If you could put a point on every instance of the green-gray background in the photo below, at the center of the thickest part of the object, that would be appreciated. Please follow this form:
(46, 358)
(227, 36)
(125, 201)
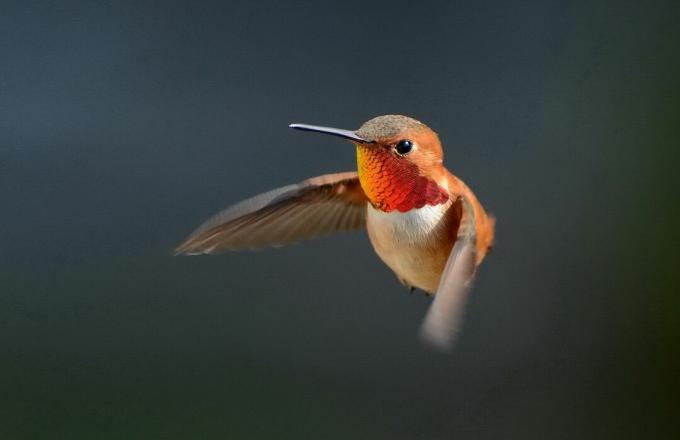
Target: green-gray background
(124, 125)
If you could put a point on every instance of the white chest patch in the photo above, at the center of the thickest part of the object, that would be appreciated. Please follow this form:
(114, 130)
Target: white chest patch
(408, 242)
(416, 225)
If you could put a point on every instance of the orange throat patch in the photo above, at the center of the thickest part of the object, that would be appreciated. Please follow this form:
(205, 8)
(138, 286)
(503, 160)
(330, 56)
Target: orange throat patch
(391, 183)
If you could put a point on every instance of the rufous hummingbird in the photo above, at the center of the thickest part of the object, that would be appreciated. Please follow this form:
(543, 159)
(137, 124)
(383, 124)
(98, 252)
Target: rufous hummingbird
(422, 221)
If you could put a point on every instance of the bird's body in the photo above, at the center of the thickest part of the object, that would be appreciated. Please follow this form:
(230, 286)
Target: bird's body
(422, 221)
(414, 244)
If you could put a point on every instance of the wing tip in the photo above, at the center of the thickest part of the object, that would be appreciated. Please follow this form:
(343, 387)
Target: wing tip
(438, 339)
(178, 251)
(189, 247)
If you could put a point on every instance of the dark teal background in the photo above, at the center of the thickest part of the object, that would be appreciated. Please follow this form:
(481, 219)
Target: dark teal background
(124, 125)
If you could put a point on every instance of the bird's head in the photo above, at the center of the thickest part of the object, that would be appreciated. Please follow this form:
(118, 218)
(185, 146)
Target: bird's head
(399, 161)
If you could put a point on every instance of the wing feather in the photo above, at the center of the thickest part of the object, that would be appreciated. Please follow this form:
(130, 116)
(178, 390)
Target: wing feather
(445, 315)
(318, 206)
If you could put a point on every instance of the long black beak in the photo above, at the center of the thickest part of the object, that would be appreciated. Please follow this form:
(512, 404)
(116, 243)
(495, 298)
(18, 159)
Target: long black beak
(347, 134)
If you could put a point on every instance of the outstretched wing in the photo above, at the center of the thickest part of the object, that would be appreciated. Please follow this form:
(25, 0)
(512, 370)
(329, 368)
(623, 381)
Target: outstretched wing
(444, 318)
(318, 206)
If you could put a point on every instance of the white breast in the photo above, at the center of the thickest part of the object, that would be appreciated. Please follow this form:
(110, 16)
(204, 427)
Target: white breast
(410, 243)
(409, 227)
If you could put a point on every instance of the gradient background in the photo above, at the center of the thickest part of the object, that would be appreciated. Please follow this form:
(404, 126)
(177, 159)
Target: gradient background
(125, 125)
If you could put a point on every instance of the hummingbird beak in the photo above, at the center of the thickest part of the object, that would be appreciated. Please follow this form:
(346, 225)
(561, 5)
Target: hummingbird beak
(347, 134)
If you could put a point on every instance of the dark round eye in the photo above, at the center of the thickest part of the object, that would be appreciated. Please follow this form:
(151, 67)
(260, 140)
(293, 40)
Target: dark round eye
(403, 147)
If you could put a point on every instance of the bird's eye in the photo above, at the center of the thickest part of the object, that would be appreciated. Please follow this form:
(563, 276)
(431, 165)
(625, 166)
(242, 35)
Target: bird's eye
(404, 147)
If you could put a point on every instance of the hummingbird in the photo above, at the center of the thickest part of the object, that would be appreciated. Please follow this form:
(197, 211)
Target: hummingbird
(423, 222)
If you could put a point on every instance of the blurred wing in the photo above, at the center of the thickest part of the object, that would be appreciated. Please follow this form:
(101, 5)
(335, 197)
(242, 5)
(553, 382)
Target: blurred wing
(318, 206)
(444, 318)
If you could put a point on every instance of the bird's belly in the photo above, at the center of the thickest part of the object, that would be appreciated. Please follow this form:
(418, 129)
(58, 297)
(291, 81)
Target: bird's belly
(415, 244)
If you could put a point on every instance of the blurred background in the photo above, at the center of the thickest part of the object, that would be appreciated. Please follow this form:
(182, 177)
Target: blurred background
(123, 125)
